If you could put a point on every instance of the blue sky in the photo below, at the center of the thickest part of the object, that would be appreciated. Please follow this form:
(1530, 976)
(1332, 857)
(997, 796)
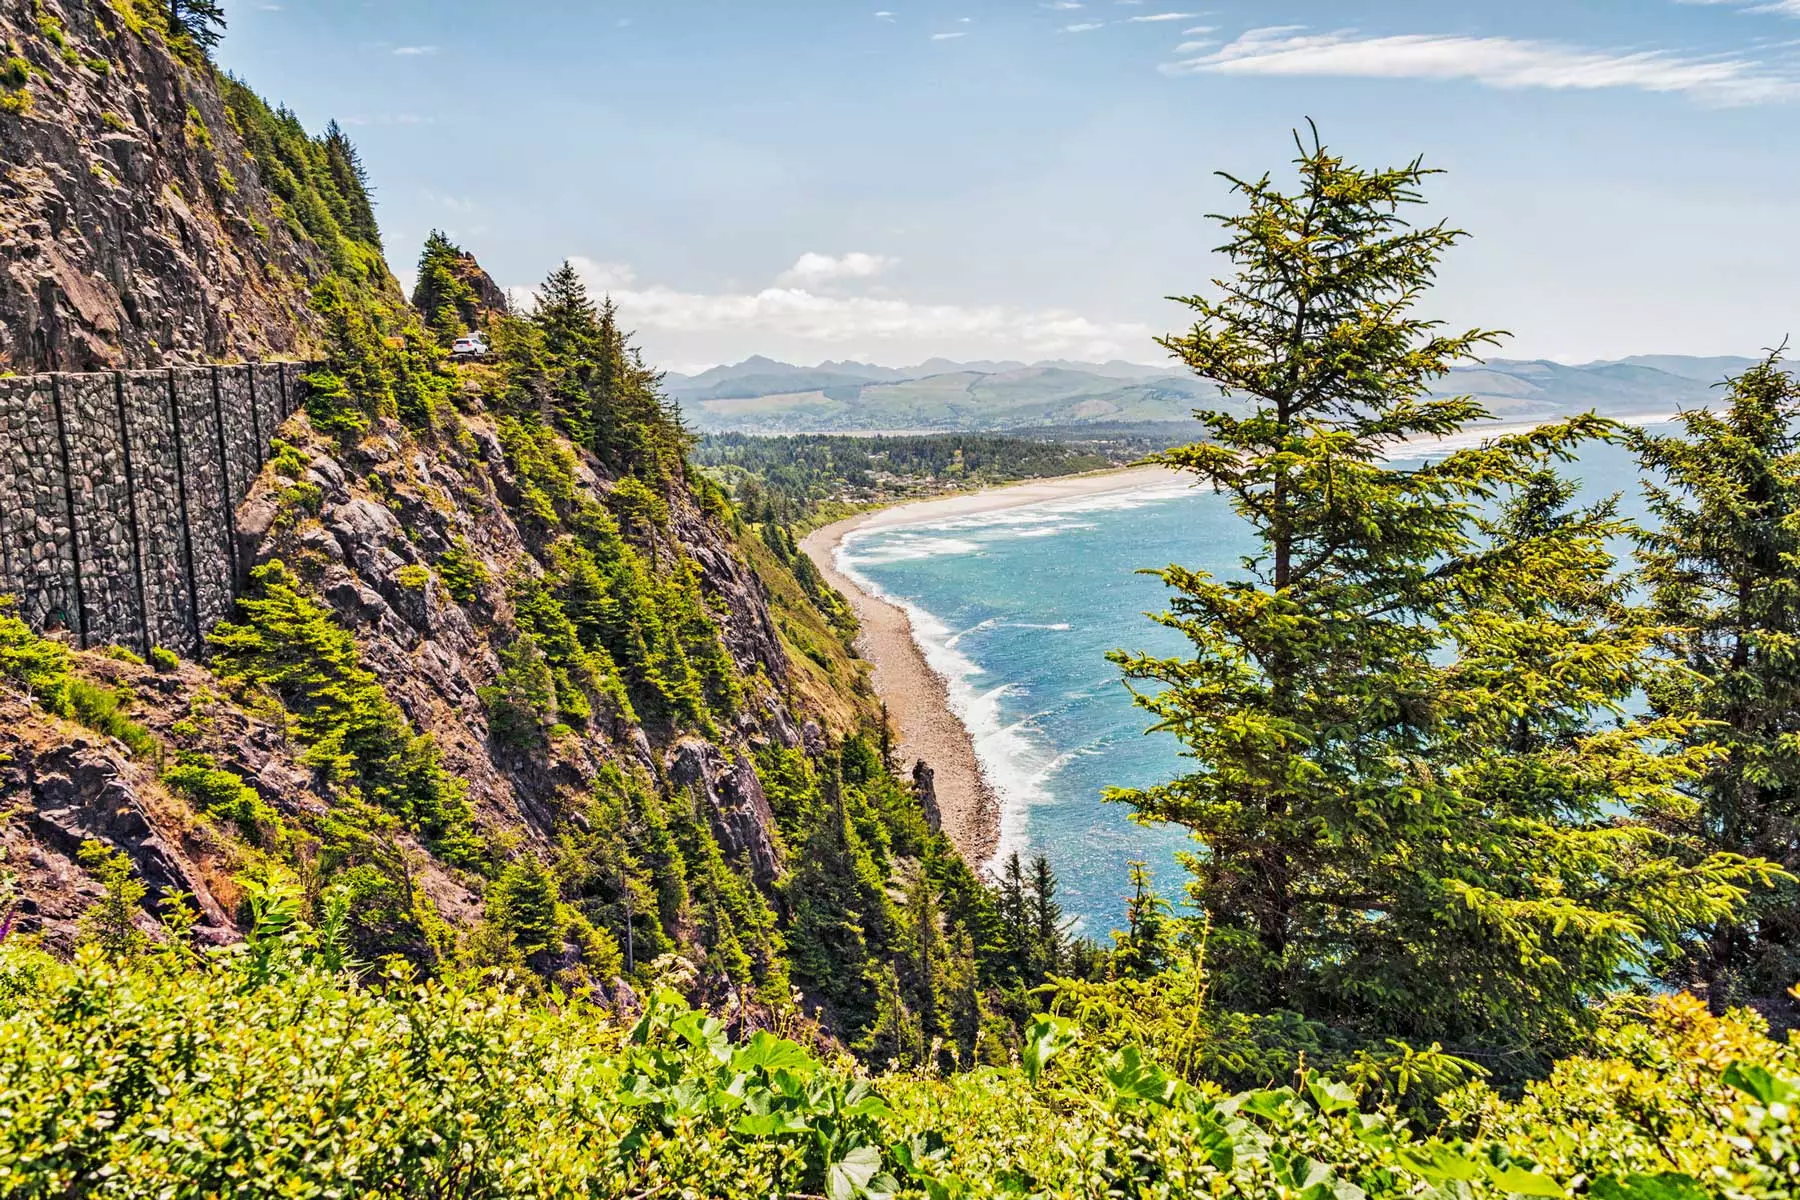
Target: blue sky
(892, 180)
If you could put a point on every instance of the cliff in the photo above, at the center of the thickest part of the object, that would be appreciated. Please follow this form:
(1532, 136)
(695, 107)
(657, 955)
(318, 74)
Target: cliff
(139, 226)
(462, 660)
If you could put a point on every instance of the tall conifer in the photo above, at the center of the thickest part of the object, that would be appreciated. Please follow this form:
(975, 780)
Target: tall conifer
(1410, 815)
(1723, 566)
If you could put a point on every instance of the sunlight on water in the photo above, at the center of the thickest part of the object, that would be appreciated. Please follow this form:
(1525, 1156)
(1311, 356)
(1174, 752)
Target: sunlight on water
(1017, 610)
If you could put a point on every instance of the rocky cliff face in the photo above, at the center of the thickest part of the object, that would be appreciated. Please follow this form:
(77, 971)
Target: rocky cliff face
(137, 229)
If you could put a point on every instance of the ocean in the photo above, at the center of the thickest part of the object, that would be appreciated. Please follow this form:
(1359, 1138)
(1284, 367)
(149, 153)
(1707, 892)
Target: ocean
(1016, 608)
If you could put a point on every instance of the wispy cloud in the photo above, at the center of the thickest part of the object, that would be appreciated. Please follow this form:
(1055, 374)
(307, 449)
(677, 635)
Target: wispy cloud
(850, 321)
(1165, 16)
(945, 37)
(1499, 62)
(884, 15)
(1084, 27)
(1064, 5)
(414, 51)
(1785, 8)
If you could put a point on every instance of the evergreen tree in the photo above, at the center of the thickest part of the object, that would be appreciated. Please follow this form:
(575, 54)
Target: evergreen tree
(523, 903)
(1049, 937)
(1724, 567)
(201, 20)
(1359, 820)
(352, 183)
(1142, 948)
(446, 302)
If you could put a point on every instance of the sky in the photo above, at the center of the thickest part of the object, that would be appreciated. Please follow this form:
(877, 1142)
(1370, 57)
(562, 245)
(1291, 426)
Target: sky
(897, 180)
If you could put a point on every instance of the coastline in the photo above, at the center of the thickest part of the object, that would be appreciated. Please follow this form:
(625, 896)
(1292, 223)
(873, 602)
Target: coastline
(926, 724)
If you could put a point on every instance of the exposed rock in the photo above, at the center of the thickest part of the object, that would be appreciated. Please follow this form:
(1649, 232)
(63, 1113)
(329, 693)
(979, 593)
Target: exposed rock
(812, 737)
(79, 791)
(138, 229)
(741, 817)
(925, 789)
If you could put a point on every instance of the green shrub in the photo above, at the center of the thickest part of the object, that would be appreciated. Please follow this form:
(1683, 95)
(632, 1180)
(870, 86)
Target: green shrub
(164, 659)
(15, 73)
(102, 709)
(42, 667)
(413, 576)
(462, 572)
(221, 793)
(125, 1066)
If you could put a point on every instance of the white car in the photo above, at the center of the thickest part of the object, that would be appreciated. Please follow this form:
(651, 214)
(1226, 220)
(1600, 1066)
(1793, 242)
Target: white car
(472, 346)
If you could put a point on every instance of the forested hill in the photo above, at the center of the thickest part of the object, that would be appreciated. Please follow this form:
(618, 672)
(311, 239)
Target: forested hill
(508, 687)
(763, 396)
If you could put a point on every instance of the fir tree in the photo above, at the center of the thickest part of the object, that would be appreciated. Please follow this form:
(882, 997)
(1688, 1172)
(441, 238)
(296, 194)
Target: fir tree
(1142, 948)
(352, 182)
(1393, 707)
(1049, 937)
(446, 303)
(1723, 566)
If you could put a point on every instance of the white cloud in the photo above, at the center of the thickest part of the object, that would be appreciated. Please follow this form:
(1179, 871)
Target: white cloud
(1195, 47)
(945, 37)
(884, 15)
(1498, 62)
(812, 269)
(1084, 27)
(414, 51)
(1064, 5)
(1164, 16)
(791, 313)
(1199, 29)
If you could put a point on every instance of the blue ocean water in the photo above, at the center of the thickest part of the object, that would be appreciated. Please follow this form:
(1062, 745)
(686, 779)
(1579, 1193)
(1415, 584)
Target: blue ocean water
(1017, 609)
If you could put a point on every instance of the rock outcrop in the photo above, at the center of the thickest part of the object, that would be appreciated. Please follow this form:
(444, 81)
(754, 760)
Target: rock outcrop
(739, 811)
(137, 228)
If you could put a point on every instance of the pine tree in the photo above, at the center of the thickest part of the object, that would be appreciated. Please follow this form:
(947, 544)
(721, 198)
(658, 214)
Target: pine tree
(444, 300)
(203, 21)
(1142, 948)
(1723, 566)
(1362, 815)
(523, 903)
(1049, 937)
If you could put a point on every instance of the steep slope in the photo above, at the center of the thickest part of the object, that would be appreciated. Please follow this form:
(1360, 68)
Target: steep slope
(150, 211)
(505, 687)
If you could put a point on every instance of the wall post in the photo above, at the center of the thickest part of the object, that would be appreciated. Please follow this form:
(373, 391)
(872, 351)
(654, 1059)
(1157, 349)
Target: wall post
(62, 439)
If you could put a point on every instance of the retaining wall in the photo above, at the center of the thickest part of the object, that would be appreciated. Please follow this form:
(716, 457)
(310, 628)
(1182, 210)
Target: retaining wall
(117, 492)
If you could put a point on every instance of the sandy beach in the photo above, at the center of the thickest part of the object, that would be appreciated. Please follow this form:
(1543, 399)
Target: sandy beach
(918, 700)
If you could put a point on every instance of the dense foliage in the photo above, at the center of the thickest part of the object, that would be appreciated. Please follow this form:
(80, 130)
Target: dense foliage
(1723, 568)
(271, 1071)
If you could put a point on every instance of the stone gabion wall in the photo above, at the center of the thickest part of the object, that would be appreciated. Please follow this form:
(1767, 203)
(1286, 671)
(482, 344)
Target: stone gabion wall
(117, 492)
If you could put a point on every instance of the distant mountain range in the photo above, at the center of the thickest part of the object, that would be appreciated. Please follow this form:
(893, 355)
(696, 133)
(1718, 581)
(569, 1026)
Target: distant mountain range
(760, 395)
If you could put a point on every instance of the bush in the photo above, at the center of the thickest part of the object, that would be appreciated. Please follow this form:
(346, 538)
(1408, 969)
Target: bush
(164, 660)
(264, 1065)
(222, 794)
(462, 572)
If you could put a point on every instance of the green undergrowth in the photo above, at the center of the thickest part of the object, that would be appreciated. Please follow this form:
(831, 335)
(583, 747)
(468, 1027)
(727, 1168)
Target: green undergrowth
(163, 1072)
(43, 668)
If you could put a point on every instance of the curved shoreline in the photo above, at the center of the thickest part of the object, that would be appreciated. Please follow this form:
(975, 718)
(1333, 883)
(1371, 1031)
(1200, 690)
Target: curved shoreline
(926, 726)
